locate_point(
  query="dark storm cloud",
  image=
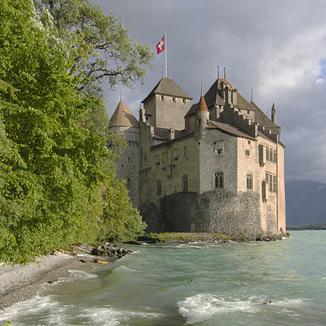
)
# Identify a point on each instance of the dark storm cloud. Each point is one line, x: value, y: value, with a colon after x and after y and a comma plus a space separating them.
x: 276, y: 47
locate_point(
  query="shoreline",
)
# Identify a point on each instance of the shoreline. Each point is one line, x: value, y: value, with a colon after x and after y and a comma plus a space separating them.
x: 20, y: 283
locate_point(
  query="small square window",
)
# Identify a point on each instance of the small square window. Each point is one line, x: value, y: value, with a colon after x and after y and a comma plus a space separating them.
x: 247, y: 152
x: 218, y: 151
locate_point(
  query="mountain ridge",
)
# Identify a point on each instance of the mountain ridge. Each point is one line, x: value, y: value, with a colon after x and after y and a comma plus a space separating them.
x: 305, y: 202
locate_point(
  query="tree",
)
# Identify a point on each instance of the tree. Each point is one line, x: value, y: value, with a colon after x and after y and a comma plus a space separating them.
x: 100, y: 46
x: 54, y: 167
x: 57, y: 174
x: 120, y: 221
x: 51, y: 175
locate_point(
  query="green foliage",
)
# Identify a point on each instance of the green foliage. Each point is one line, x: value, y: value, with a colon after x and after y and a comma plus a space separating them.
x: 100, y: 46
x: 120, y: 221
x: 54, y: 158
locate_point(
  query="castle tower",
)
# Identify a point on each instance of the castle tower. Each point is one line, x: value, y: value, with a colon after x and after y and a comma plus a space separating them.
x: 124, y: 123
x: 166, y: 105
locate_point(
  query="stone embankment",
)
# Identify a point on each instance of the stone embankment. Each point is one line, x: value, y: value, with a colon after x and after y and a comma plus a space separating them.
x: 181, y: 237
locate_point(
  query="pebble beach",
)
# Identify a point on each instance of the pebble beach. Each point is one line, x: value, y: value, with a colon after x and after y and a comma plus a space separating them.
x: 20, y: 283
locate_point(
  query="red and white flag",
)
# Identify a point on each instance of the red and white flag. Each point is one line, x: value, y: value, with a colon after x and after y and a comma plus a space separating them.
x: 161, y: 45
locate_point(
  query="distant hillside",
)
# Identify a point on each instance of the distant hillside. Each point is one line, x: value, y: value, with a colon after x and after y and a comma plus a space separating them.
x: 305, y: 202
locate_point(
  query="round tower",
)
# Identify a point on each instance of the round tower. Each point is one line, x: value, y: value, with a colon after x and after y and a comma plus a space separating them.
x: 124, y: 123
x: 202, y: 117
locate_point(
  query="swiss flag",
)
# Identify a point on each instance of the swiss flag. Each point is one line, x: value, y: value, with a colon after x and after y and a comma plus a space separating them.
x: 161, y: 45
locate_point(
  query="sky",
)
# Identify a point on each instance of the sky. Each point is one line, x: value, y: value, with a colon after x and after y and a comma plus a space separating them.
x: 275, y: 47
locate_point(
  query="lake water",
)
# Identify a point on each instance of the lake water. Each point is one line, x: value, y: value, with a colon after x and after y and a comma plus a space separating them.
x: 263, y: 283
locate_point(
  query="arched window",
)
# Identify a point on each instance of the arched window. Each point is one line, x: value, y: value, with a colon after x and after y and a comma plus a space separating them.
x: 219, y: 180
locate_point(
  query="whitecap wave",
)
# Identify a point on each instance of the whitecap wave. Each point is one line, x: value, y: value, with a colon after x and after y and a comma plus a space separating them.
x: 202, y: 307
x: 36, y: 311
x: 108, y: 316
x: 76, y: 274
x: 126, y: 268
x: 48, y: 311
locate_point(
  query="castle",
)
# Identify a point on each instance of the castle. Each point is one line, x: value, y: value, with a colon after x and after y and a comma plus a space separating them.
x: 214, y: 166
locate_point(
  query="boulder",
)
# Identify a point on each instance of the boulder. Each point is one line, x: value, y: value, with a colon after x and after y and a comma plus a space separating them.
x: 110, y: 250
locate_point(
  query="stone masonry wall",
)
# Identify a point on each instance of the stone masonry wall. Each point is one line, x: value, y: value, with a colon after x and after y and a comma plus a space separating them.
x: 213, y: 211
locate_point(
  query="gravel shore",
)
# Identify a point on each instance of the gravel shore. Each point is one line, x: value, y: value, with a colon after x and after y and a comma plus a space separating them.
x: 20, y: 283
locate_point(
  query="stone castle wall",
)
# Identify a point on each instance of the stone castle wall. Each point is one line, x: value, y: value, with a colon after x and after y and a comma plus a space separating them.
x: 167, y: 111
x: 213, y: 211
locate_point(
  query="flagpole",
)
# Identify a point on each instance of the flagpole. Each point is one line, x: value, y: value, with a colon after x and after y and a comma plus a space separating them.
x: 166, y: 56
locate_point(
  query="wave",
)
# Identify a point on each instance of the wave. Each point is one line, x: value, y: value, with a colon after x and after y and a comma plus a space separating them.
x: 124, y: 268
x: 53, y: 313
x: 202, y: 307
x: 108, y: 316
x: 76, y: 274
x: 23, y: 313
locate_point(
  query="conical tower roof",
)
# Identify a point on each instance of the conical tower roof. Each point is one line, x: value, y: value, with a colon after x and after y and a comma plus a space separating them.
x: 201, y: 106
x: 122, y: 117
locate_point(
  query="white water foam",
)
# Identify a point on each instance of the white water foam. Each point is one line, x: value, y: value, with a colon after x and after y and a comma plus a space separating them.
x: 47, y: 311
x: 76, y: 274
x: 21, y: 313
x: 108, y: 316
x: 202, y: 307
x: 124, y: 267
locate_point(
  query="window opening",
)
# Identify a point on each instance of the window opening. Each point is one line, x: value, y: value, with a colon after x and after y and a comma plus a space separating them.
x: 219, y: 180
x: 249, y: 181
x: 185, y: 183
x: 158, y: 188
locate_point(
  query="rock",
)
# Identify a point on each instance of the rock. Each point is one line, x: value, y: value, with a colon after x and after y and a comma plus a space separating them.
x: 83, y: 261
x: 110, y: 250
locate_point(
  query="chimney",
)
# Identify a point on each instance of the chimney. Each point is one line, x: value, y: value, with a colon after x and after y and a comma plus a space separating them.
x: 274, y: 113
x: 171, y: 134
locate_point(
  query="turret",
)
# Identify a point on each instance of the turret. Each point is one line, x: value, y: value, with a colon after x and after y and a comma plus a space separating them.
x: 202, y: 117
x: 124, y: 123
